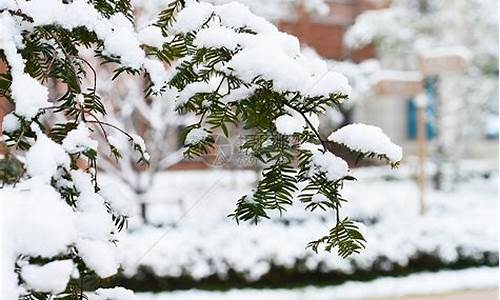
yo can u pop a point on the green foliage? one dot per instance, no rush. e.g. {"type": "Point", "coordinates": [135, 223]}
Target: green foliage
{"type": "Point", "coordinates": [110, 7]}
{"type": "Point", "coordinates": [167, 16]}
{"type": "Point", "coordinates": [280, 181]}
{"type": "Point", "coordinates": [11, 170]}
{"type": "Point", "coordinates": [345, 236]}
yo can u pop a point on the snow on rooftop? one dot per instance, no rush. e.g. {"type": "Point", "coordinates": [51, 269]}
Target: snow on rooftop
{"type": "Point", "coordinates": [397, 75]}
{"type": "Point", "coordinates": [437, 52]}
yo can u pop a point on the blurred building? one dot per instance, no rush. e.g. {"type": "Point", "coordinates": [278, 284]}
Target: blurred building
{"type": "Point", "coordinates": [396, 114]}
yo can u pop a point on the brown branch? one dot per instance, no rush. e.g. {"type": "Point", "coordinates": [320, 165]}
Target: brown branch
{"type": "Point", "coordinates": [310, 125]}
{"type": "Point", "coordinates": [110, 125]}
{"type": "Point", "coordinates": [19, 13]}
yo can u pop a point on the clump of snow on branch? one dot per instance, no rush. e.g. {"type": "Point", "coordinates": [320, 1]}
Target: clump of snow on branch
{"type": "Point", "coordinates": [49, 278]}
{"type": "Point", "coordinates": [152, 35]}
{"type": "Point", "coordinates": [285, 66]}
{"type": "Point", "coordinates": [288, 125]}
{"type": "Point", "coordinates": [10, 123]}
{"type": "Point", "coordinates": [44, 157]}
{"type": "Point", "coordinates": [319, 198]}
{"type": "Point", "coordinates": [99, 256]}
{"type": "Point", "coordinates": [367, 139]}
{"type": "Point", "coordinates": [216, 36]}
{"type": "Point", "coordinates": [140, 145]}
{"type": "Point", "coordinates": [330, 83]}
{"type": "Point", "coordinates": [196, 136]}
{"type": "Point", "coordinates": [197, 87]}
{"type": "Point", "coordinates": [29, 94]}
{"type": "Point", "coordinates": [79, 140]}
{"type": "Point", "coordinates": [192, 17]}
{"type": "Point", "coordinates": [334, 166]}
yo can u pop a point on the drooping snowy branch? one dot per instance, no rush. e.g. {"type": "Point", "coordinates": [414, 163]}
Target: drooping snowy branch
{"type": "Point", "coordinates": [368, 140]}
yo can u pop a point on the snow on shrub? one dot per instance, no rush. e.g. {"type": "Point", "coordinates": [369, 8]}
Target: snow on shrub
{"type": "Point", "coordinates": [459, 226]}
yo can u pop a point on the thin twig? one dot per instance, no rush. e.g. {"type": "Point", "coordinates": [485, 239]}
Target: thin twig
{"type": "Point", "coordinates": [112, 126]}
{"type": "Point", "coordinates": [316, 133]}
{"type": "Point", "coordinates": [93, 71]}
{"type": "Point", "coordinates": [102, 128]}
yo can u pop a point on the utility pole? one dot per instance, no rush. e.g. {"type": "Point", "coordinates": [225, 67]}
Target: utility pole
{"type": "Point", "coordinates": [421, 103]}
{"type": "Point", "coordinates": [405, 85]}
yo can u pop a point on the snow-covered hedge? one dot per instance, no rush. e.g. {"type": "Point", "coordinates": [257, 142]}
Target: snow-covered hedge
{"type": "Point", "coordinates": [204, 249]}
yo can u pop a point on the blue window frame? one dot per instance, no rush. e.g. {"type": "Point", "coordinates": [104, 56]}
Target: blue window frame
{"type": "Point", "coordinates": [431, 91]}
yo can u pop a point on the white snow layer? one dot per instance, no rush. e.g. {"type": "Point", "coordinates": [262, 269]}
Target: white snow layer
{"type": "Point", "coordinates": [116, 293]}
{"type": "Point", "coordinates": [151, 35]}
{"type": "Point", "coordinates": [427, 283]}
{"type": "Point", "coordinates": [44, 157]}
{"type": "Point", "coordinates": [99, 256]}
{"type": "Point", "coordinates": [319, 198]}
{"type": "Point", "coordinates": [196, 135]}
{"type": "Point", "coordinates": [217, 37]}
{"type": "Point", "coordinates": [288, 125]}
{"type": "Point", "coordinates": [28, 235]}
{"type": "Point", "coordinates": [334, 166]}
{"type": "Point", "coordinates": [49, 278]}
{"type": "Point", "coordinates": [367, 139]}
{"type": "Point", "coordinates": [10, 123]}
{"type": "Point", "coordinates": [78, 140]}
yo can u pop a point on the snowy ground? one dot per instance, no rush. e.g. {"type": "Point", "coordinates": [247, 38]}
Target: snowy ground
{"type": "Point", "coordinates": [196, 238]}
{"type": "Point", "coordinates": [413, 285]}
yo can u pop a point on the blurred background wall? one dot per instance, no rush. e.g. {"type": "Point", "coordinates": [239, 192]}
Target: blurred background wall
{"type": "Point", "coordinates": [395, 114]}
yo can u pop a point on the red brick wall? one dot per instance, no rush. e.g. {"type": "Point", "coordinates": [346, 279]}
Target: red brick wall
{"type": "Point", "coordinates": [325, 34]}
